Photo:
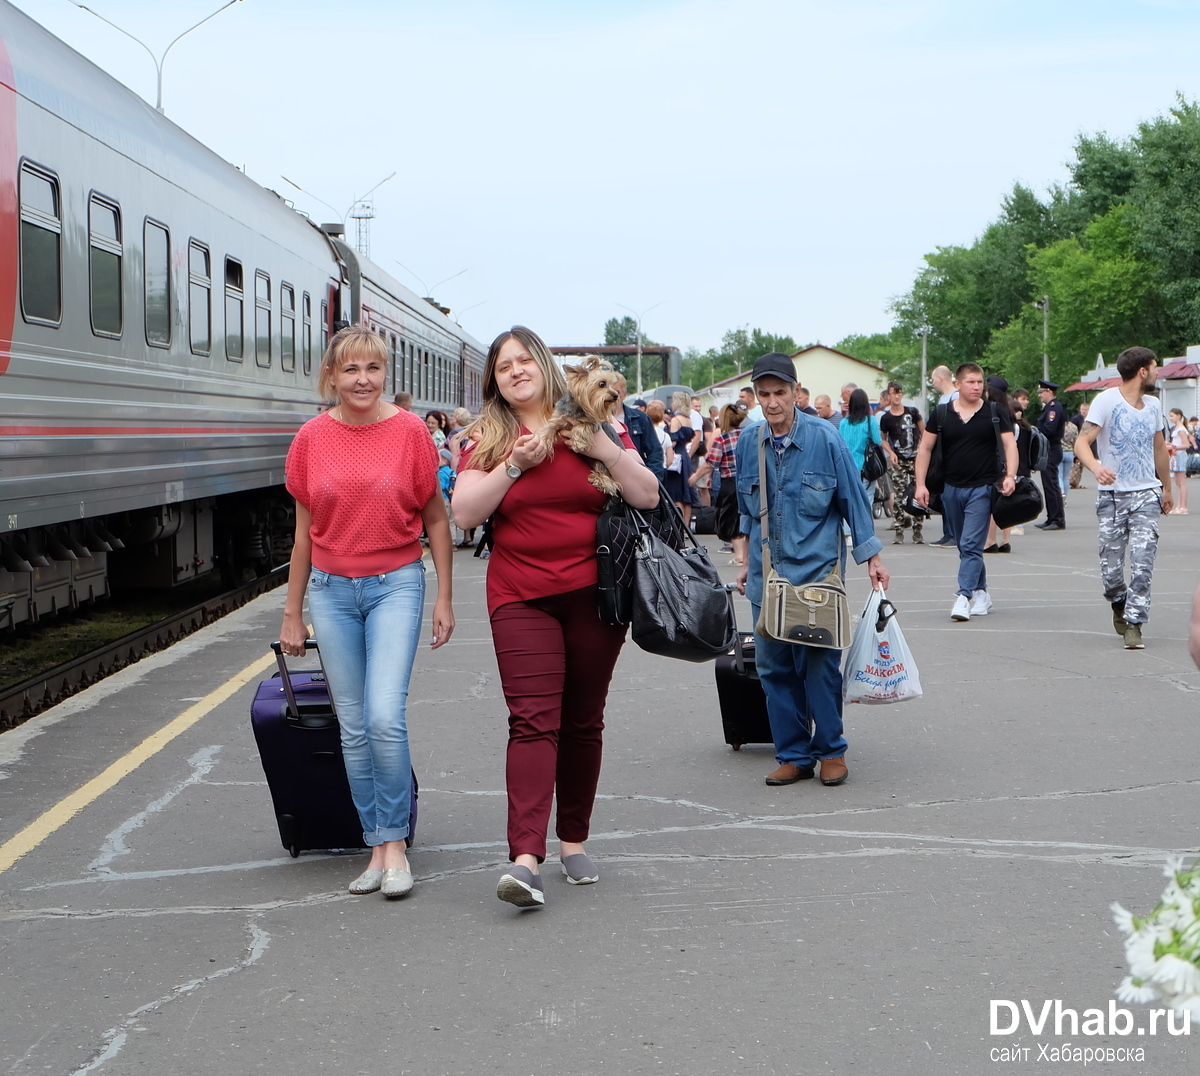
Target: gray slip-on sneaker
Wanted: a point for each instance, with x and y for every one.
(521, 887)
(579, 869)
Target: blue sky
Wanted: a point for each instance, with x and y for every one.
(761, 162)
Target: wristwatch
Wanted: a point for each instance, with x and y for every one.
(512, 470)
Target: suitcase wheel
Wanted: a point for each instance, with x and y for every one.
(295, 851)
(736, 746)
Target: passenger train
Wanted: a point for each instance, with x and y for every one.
(161, 320)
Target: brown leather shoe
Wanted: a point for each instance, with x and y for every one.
(833, 770)
(787, 774)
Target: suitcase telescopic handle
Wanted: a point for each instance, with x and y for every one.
(739, 655)
(286, 680)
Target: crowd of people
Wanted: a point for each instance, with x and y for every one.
(783, 478)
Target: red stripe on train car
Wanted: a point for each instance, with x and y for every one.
(9, 209)
(133, 431)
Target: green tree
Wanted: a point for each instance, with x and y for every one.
(1167, 220)
(622, 332)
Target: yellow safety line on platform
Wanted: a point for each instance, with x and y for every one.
(66, 809)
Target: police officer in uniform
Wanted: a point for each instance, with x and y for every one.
(1051, 422)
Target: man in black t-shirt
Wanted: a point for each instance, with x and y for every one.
(902, 428)
(971, 431)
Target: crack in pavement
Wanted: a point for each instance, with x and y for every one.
(114, 1039)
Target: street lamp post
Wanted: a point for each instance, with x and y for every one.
(1043, 304)
(639, 336)
(158, 60)
(924, 334)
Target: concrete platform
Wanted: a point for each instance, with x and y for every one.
(155, 924)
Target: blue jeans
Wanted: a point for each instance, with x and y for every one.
(968, 511)
(1064, 471)
(368, 630)
(803, 687)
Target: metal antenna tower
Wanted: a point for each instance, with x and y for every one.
(363, 212)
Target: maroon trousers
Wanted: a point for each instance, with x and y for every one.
(556, 658)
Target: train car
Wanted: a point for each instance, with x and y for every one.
(161, 316)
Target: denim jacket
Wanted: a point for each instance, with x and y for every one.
(812, 486)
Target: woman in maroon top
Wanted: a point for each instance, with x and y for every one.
(555, 655)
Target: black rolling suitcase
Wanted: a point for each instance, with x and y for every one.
(299, 743)
(740, 695)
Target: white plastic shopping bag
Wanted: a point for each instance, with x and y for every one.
(879, 665)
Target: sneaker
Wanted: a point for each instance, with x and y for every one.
(579, 869)
(1133, 637)
(945, 543)
(917, 539)
(1120, 626)
(981, 602)
(962, 608)
(521, 887)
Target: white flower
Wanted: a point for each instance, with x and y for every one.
(1123, 918)
(1140, 995)
(1180, 977)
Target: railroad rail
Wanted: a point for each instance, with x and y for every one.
(22, 701)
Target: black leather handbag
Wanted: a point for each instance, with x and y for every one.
(1021, 506)
(617, 530)
(875, 461)
(680, 607)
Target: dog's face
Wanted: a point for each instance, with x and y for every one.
(593, 384)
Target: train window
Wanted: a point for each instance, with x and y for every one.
(235, 334)
(41, 246)
(104, 265)
(306, 332)
(156, 269)
(324, 325)
(392, 362)
(287, 327)
(199, 298)
(262, 318)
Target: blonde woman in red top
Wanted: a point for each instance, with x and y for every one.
(364, 475)
(555, 654)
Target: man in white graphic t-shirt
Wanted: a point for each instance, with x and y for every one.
(1126, 425)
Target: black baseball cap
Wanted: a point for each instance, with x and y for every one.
(774, 364)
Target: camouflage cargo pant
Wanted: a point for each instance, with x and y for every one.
(1129, 521)
(901, 474)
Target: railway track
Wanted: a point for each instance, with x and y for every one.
(22, 701)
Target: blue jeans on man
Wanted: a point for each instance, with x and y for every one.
(368, 630)
(969, 510)
(803, 689)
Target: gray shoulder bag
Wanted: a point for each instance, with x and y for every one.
(811, 614)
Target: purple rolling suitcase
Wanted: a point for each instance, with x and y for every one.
(299, 743)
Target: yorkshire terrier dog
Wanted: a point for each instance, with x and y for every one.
(592, 389)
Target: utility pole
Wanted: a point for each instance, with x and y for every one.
(924, 397)
(639, 337)
(1043, 304)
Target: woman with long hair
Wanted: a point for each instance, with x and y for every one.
(1181, 441)
(860, 428)
(555, 655)
(364, 475)
(683, 434)
(997, 393)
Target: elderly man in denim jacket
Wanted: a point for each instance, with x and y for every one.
(813, 488)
